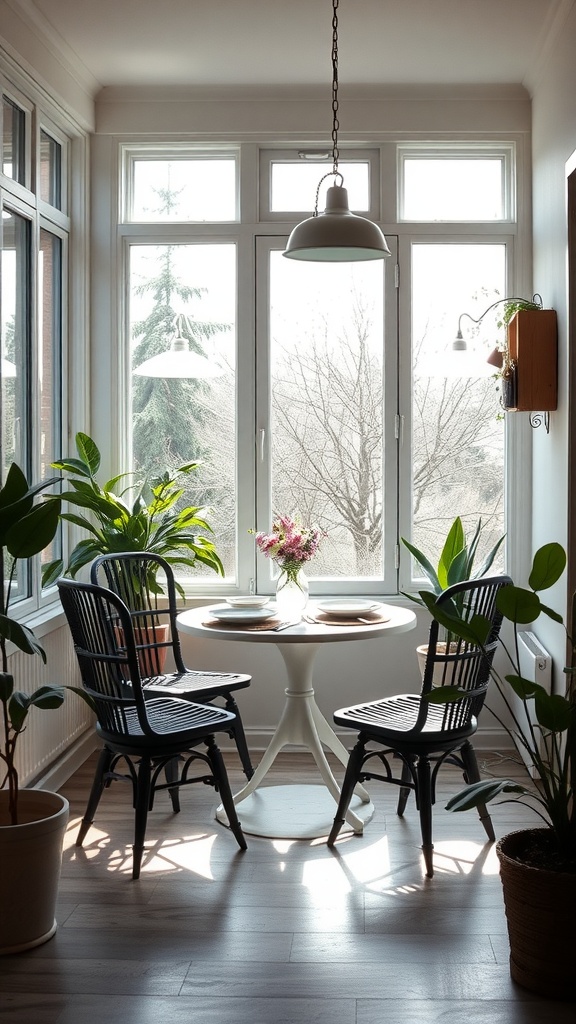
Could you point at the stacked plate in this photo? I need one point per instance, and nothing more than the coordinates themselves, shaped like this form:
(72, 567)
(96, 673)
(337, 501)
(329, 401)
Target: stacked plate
(348, 608)
(242, 616)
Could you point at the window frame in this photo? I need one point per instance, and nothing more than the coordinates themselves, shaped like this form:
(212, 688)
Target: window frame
(267, 157)
(130, 154)
(24, 200)
(504, 152)
(331, 586)
(255, 222)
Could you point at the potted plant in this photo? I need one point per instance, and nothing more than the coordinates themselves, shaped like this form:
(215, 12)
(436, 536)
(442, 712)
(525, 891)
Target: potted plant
(455, 565)
(143, 515)
(32, 822)
(537, 866)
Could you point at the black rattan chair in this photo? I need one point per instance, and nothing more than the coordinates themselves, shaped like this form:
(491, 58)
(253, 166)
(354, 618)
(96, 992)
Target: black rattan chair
(421, 734)
(133, 576)
(152, 734)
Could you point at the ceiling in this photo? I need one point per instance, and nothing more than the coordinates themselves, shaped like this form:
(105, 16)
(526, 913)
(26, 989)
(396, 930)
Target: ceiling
(269, 43)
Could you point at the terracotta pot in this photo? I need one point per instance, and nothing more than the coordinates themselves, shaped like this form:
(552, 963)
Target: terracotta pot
(541, 914)
(152, 661)
(422, 653)
(30, 861)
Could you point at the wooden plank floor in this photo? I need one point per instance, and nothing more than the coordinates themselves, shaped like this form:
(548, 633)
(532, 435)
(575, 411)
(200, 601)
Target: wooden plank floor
(286, 932)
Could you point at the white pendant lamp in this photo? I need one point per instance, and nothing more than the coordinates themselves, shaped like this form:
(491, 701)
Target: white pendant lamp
(179, 361)
(337, 235)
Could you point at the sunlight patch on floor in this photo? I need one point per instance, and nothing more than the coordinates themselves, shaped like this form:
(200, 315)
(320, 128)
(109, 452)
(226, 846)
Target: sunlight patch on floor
(190, 853)
(461, 857)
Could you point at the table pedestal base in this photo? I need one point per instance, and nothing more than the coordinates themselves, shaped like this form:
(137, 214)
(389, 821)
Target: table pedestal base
(292, 812)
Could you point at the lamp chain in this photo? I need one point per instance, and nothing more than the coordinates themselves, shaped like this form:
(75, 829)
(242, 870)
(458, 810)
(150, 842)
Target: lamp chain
(335, 121)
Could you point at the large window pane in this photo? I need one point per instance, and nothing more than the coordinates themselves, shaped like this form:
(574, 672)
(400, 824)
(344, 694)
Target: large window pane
(189, 290)
(201, 189)
(50, 170)
(13, 141)
(293, 185)
(326, 366)
(458, 430)
(16, 399)
(50, 362)
(453, 189)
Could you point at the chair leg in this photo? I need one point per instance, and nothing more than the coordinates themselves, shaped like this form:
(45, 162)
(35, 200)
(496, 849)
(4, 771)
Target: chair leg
(143, 787)
(104, 761)
(404, 791)
(351, 777)
(239, 737)
(172, 773)
(472, 774)
(223, 787)
(424, 795)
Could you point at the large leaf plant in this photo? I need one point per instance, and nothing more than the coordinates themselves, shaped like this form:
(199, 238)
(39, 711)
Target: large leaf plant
(542, 725)
(26, 528)
(128, 513)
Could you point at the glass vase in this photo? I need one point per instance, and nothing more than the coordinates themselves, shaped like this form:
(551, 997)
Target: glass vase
(291, 593)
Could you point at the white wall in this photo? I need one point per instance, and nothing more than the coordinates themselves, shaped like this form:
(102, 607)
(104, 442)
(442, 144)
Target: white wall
(553, 140)
(25, 38)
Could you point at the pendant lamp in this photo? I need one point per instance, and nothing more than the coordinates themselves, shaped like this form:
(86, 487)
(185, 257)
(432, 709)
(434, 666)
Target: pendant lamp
(337, 235)
(179, 361)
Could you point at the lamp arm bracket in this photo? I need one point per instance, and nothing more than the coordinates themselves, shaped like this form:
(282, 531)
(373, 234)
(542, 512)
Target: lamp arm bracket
(536, 299)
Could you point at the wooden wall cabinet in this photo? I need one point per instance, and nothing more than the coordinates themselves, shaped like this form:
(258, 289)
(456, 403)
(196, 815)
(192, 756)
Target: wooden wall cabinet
(533, 345)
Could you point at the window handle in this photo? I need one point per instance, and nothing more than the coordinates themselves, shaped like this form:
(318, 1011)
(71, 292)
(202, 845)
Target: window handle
(262, 443)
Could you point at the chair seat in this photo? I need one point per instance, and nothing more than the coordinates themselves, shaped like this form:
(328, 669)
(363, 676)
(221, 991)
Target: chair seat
(173, 720)
(397, 720)
(204, 685)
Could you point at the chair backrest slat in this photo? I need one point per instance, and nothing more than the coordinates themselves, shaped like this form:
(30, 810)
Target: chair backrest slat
(136, 578)
(463, 664)
(103, 638)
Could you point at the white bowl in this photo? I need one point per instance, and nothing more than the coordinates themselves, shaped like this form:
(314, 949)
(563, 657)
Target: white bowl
(248, 601)
(350, 608)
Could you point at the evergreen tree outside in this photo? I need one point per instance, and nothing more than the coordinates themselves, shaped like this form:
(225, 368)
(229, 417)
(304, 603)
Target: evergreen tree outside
(167, 413)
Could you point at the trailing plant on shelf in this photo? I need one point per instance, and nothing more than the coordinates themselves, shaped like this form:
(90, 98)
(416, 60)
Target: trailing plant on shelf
(26, 529)
(128, 513)
(507, 366)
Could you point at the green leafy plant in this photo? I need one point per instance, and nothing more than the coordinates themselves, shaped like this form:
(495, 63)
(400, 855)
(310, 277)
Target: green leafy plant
(543, 725)
(26, 529)
(457, 559)
(142, 516)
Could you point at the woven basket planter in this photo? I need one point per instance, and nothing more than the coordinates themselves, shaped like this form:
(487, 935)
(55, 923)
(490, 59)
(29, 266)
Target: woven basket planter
(541, 915)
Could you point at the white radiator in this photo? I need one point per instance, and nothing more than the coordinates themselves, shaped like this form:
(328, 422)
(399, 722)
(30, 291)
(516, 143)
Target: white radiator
(49, 735)
(536, 665)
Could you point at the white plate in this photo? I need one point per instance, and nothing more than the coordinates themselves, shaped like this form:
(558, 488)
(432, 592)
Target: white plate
(350, 609)
(248, 601)
(242, 615)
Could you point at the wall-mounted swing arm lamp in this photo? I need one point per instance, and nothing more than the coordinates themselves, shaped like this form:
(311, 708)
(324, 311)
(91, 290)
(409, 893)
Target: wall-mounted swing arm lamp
(459, 343)
(179, 361)
(337, 235)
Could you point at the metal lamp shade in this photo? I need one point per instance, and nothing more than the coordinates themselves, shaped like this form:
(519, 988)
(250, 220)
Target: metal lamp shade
(337, 235)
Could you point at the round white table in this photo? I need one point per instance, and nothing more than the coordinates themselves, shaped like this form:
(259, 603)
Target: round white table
(303, 811)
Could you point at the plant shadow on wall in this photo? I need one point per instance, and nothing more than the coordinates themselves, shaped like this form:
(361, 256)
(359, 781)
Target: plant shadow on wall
(537, 866)
(128, 513)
